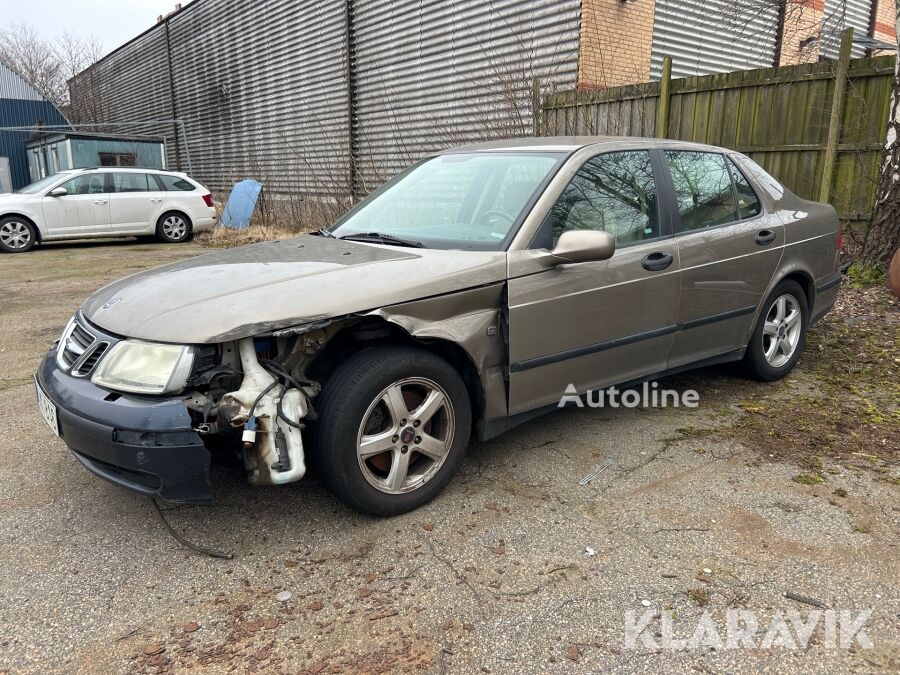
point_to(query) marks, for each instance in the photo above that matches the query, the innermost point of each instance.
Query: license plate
(47, 408)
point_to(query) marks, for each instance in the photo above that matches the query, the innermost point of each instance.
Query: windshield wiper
(322, 232)
(381, 238)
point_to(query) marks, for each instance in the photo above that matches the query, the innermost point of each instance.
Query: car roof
(125, 169)
(573, 143)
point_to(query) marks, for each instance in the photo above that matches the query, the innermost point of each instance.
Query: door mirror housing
(578, 246)
(59, 192)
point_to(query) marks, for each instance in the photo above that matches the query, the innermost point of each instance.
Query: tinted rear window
(703, 189)
(175, 184)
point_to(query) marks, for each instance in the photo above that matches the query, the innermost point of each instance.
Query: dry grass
(224, 237)
(841, 403)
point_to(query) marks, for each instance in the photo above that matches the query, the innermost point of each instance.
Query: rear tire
(17, 234)
(780, 333)
(173, 228)
(393, 427)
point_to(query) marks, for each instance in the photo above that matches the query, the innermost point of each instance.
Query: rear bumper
(142, 443)
(205, 223)
(826, 295)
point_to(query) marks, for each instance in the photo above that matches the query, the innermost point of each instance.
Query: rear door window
(703, 189)
(614, 192)
(132, 182)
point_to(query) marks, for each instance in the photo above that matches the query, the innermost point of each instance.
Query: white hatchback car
(105, 202)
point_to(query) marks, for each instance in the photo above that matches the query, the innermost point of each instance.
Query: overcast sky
(113, 22)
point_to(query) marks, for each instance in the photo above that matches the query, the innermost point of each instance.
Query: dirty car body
(463, 297)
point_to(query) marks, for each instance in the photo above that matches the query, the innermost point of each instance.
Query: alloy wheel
(781, 331)
(406, 435)
(174, 227)
(15, 235)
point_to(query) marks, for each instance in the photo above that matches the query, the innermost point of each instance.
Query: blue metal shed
(21, 105)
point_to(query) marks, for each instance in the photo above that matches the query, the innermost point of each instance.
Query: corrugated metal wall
(434, 74)
(21, 105)
(263, 86)
(713, 36)
(841, 14)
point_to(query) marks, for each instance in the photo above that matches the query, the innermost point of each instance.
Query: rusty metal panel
(430, 75)
(713, 36)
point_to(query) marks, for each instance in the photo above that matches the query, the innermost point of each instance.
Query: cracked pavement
(496, 575)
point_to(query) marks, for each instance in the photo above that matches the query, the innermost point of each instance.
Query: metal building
(313, 96)
(21, 105)
(714, 36)
(49, 152)
(335, 96)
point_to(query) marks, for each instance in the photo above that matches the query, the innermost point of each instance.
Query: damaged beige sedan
(464, 297)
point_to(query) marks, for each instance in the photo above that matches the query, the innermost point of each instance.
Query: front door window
(614, 192)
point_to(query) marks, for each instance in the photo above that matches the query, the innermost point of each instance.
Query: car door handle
(656, 261)
(101, 202)
(764, 237)
(156, 200)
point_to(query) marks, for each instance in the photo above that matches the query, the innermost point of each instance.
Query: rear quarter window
(748, 202)
(175, 183)
(759, 176)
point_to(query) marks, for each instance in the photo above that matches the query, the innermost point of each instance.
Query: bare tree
(48, 64)
(883, 236)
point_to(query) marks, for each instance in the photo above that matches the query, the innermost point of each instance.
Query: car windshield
(458, 201)
(42, 184)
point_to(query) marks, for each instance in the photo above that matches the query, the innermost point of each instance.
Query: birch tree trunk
(883, 237)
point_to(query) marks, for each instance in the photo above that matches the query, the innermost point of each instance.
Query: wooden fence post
(662, 106)
(536, 103)
(837, 114)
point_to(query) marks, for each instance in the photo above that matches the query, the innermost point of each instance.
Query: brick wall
(615, 42)
(616, 37)
(885, 21)
(799, 32)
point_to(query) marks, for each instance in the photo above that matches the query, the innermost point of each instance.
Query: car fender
(33, 217)
(470, 319)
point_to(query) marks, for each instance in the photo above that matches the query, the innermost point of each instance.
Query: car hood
(240, 292)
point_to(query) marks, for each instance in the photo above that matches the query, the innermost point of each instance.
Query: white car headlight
(145, 367)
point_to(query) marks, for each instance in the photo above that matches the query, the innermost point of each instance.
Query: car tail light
(840, 237)
(209, 200)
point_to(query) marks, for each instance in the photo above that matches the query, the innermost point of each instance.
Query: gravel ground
(516, 568)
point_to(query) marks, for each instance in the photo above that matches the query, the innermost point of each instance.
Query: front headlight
(145, 367)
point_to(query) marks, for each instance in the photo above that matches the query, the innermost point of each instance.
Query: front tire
(173, 228)
(17, 235)
(393, 427)
(780, 333)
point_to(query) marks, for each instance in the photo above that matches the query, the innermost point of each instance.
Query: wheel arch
(371, 331)
(792, 272)
(14, 214)
(174, 212)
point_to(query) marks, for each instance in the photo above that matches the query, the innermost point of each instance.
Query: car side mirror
(59, 192)
(577, 246)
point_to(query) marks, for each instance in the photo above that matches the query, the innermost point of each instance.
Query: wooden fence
(788, 119)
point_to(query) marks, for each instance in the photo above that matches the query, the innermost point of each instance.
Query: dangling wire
(211, 552)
